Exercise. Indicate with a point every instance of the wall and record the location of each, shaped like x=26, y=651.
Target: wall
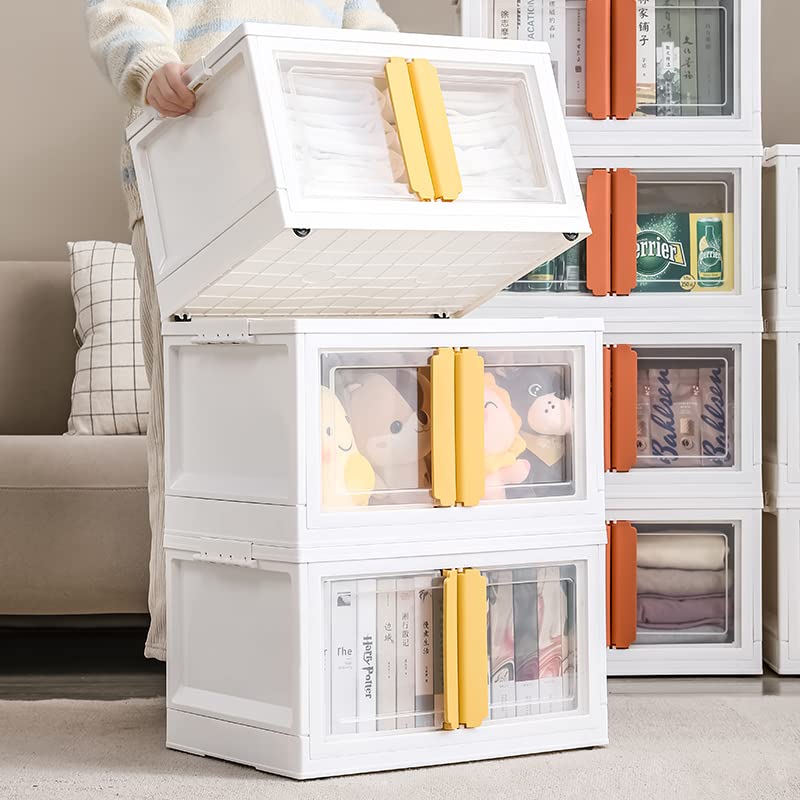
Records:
x=62, y=124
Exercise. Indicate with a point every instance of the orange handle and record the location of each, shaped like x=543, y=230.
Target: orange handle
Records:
x=623, y=60
x=608, y=584
x=623, y=585
x=598, y=245
x=607, y=408
x=598, y=58
x=623, y=231
x=623, y=407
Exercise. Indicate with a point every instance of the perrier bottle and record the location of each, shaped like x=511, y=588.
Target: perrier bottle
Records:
x=709, y=257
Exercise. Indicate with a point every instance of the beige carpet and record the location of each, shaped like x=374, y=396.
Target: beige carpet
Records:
x=662, y=747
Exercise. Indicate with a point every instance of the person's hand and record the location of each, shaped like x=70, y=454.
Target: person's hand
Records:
x=167, y=93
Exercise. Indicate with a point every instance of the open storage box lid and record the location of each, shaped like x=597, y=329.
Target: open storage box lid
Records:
x=329, y=172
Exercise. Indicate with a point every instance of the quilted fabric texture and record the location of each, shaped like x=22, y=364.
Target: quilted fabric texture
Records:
x=110, y=394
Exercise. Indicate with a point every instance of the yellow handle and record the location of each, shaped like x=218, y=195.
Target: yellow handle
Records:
x=450, y=654
x=408, y=130
x=443, y=427
x=435, y=129
x=473, y=683
x=470, y=472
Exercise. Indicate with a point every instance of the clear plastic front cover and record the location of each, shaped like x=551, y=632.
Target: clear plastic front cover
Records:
x=345, y=144
x=384, y=648
x=376, y=427
x=685, y=583
x=685, y=59
x=685, y=407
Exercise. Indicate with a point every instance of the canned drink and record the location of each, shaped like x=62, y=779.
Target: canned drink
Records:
x=541, y=279
x=710, y=263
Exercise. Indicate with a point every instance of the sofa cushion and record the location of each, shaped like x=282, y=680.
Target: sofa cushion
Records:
x=37, y=349
x=110, y=393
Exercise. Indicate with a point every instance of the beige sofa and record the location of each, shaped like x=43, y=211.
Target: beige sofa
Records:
x=74, y=534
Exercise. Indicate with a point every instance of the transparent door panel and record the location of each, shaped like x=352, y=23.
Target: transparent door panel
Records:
x=685, y=583
x=384, y=659
x=686, y=59
x=562, y=25
x=685, y=407
x=345, y=141
x=529, y=415
x=375, y=429
x=685, y=232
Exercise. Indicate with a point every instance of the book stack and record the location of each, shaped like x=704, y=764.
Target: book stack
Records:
x=781, y=401
x=665, y=128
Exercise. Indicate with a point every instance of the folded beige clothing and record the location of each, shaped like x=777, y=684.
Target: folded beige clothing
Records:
x=681, y=550
x=683, y=582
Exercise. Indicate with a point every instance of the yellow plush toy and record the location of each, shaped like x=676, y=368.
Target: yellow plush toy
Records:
x=347, y=477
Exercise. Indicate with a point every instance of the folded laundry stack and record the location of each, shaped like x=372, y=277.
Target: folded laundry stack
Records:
x=683, y=583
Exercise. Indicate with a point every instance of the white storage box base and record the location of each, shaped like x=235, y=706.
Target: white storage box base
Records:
x=289, y=755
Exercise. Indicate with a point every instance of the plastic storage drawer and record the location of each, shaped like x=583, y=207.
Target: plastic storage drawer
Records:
x=295, y=187
x=684, y=591
x=670, y=236
x=383, y=662
x=782, y=590
x=643, y=71
x=299, y=433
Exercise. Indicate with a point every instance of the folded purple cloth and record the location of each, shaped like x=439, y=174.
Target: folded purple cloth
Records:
x=680, y=612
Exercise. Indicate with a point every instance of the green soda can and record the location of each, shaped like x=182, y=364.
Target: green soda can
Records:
x=710, y=262
x=541, y=279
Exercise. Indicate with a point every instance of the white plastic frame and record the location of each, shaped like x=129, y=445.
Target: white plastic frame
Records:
x=743, y=655
x=234, y=727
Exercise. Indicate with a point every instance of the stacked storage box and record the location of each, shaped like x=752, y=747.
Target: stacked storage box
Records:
x=662, y=108
x=781, y=404
x=385, y=537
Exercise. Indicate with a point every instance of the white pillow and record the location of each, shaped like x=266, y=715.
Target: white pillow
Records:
x=110, y=394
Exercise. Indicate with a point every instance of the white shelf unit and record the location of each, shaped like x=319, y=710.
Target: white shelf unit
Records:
x=684, y=588
x=607, y=72
x=782, y=588
x=649, y=216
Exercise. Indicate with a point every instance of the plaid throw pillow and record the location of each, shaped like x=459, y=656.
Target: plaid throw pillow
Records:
x=110, y=394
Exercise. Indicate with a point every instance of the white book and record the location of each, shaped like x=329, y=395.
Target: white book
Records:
x=575, y=39
x=438, y=655
x=526, y=641
x=502, y=695
x=406, y=700
x=505, y=19
x=531, y=20
x=688, y=47
x=367, y=699
x=423, y=666
x=710, y=53
x=386, y=621
x=646, y=56
x=343, y=656
x=555, y=30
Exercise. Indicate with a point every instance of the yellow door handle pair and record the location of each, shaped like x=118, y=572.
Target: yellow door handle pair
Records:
x=457, y=433
x=423, y=130
x=466, y=685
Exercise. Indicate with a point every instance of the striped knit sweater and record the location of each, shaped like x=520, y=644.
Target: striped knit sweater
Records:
x=131, y=39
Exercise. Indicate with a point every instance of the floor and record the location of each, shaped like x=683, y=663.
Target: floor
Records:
x=98, y=732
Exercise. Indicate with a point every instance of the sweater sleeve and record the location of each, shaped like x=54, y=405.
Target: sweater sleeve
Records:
x=366, y=15
x=130, y=40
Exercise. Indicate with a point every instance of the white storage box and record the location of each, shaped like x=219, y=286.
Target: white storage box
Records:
x=607, y=57
x=781, y=220
x=312, y=432
x=684, y=591
x=672, y=235
x=381, y=661
x=696, y=429
x=782, y=590
x=781, y=428
x=293, y=189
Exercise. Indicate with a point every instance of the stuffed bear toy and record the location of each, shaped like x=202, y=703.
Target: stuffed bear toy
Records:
x=347, y=477
x=540, y=395
x=502, y=442
x=390, y=411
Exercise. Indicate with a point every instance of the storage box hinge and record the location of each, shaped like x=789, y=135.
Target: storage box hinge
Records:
x=233, y=553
